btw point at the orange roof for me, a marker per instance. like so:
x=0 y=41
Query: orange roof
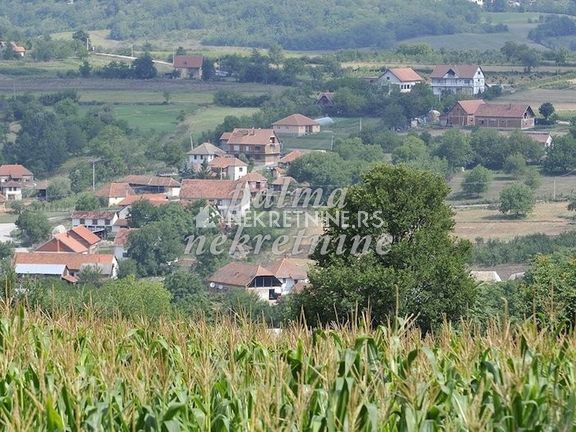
x=115 y=190
x=16 y=171
x=296 y=120
x=71 y=260
x=62 y=243
x=196 y=189
x=155 y=199
x=226 y=161
x=285 y=269
x=252 y=177
x=470 y=106
x=122 y=236
x=462 y=71
x=84 y=234
x=225 y=136
x=106 y=215
x=206 y=149
x=149 y=180
x=405 y=74
x=252 y=137
x=188 y=62
x=503 y=110
x=292 y=156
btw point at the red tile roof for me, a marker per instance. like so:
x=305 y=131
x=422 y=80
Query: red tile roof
x=226 y=161
x=62 y=243
x=71 y=260
x=405 y=74
x=252 y=177
x=296 y=120
x=85 y=235
x=107 y=215
x=11 y=183
x=291 y=157
x=225 y=136
x=15 y=171
x=115 y=190
x=286 y=269
x=148 y=180
x=252 y=137
x=541 y=137
x=462 y=71
x=155 y=199
x=188 y=62
x=122 y=236
x=470 y=106
x=503 y=110
x=196 y=189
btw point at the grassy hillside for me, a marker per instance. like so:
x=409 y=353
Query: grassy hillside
x=88 y=373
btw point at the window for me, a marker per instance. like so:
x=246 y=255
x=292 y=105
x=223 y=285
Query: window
x=241 y=169
x=82 y=222
x=272 y=294
x=258 y=148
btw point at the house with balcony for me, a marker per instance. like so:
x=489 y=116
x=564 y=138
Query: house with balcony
x=261 y=146
x=464 y=79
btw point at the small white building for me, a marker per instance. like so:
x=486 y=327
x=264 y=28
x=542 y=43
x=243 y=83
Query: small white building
x=296 y=124
x=403 y=78
x=228 y=167
x=12 y=190
x=95 y=221
x=231 y=198
x=204 y=153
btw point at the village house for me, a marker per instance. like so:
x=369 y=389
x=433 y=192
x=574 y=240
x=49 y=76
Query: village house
x=325 y=99
x=462 y=113
x=121 y=243
x=269 y=282
x=113 y=193
x=296 y=124
x=231 y=198
x=38 y=263
x=154 y=199
x=189 y=66
x=505 y=116
x=262 y=146
x=17 y=173
x=465 y=79
x=287 y=159
x=403 y=78
x=256 y=182
x=17 y=50
x=78 y=240
x=283 y=183
x=142 y=184
x=12 y=190
x=204 y=153
x=228 y=167
x=544 y=138
x=99 y=222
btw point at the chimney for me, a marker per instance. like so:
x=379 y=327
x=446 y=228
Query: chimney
x=252 y=132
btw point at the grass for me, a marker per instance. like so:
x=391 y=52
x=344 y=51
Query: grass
x=81 y=372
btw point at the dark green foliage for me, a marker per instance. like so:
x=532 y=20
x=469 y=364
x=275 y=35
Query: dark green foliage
x=33 y=227
x=87 y=202
x=234 y=99
x=477 y=181
x=517 y=200
x=143 y=67
x=521 y=249
x=553 y=26
x=419 y=269
x=561 y=157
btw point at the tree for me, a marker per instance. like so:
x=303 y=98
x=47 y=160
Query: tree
x=455 y=148
x=517 y=200
x=34 y=227
x=561 y=157
x=477 y=181
x=143 y=67
x=87 y=202
x=85 y=69
x=546 y=110
x=167 y=96
x=189 y=293
x=412 y=265
x=58 y=188
x=515 y=165
x=208 y=69
x=413 y=148
x=532 y=178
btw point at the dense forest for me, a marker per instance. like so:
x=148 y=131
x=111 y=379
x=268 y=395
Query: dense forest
x=293 y=24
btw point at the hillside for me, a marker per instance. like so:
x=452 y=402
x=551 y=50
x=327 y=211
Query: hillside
x=294 y=24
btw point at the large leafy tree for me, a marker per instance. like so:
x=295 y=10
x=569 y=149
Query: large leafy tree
x=421 y=270
x=34 y=227
x=517 y=200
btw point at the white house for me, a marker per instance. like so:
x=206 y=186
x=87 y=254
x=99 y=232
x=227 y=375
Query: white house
x=203 y=153
x=95 y=221
x=228 y=167
x=231 y=198
x=465 y=79
x=114 y=193
x=403 y=78
x=12 y=190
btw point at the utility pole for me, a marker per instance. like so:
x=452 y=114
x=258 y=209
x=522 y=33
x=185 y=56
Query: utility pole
x=360 y=126
x=191 y=142
x=94 y=175
x=332 y=141
x=554 y=191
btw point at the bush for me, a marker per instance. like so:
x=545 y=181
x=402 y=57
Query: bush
x=477 y=181
x=517 y=200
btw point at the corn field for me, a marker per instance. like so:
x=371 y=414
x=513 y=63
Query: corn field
x=84 y=373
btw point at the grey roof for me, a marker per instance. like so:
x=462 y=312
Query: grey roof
x=40 y=269
x=104 y=269
x=206 y=149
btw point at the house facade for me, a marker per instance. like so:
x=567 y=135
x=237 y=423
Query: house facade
x=228 y=168
x=12 y=190
x=462 y=113
x=403 y=78
x=189 y=66
x=465 y=79
x=17 y=173
x=505 y=116
x=36 y=262
x=262 y=146
x=99 y=222
x=204 y=153
x=113 y=193
x=297 y=125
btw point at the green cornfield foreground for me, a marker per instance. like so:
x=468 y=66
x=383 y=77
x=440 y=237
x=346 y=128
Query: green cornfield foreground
x=78 y=373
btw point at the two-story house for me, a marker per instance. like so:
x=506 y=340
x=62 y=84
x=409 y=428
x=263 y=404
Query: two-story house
x=99 y=222
x=204 y=153
x=228 y=167
x=189 y=66
x=259 y=145
x=142 y=184
x=231 y=198
x=465 y=79
x=403 y=78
